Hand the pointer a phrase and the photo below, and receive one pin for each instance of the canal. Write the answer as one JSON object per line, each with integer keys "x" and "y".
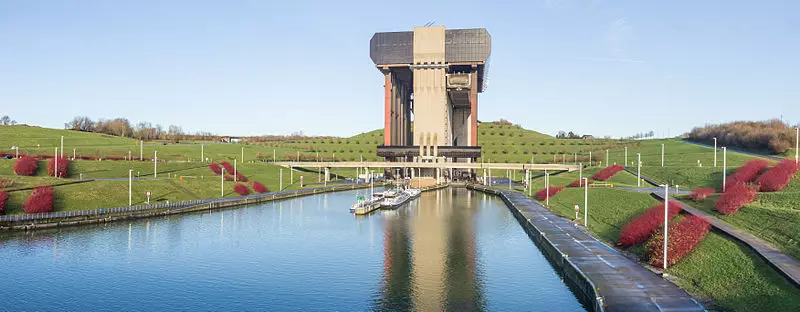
{"x": 451, "y": 249}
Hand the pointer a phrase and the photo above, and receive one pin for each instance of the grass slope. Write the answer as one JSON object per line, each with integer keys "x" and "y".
{"x": 719, "y": 269}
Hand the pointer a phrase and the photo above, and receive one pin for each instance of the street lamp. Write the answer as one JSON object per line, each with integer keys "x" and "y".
{"x": 638, "y": 169}
{"x": 724, "y": 166}
{"x": 797, "y": 147}
{"x": 130, "y": 187}
{"x": 715, "y": 152}
{"x": 586, "y": 202}
{"x": 666, "y": 222}
{"x": 662, "y": 155}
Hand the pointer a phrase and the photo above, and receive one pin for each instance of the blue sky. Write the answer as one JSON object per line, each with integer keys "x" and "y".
{"x": 263, "y": 67}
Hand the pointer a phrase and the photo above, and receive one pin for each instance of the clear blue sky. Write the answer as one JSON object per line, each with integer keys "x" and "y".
{"x": 274, "y": 67}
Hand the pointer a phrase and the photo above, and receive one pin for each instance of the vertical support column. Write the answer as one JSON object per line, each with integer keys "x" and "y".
{"x": 473, "y": 108}
{"x": 327, "y": 174}
{"x": 387, "y": 105}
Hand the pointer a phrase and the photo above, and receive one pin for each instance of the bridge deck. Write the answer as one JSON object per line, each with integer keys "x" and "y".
{"x": 442, "y": 165}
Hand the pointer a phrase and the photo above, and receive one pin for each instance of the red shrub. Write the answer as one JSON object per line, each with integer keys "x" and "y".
{"x": 63, "y": 164}
{"x": 40, "y": 200}
{"x": 241, "y": 189}
{"x": 240, "y": 177}
{"x": 3, "y": 200}
{"x": 683, "y": 236}
{"x": 748, "y": 172}
{"x": 607, "y": 172}
{"x": 701, "y": 193}
{"x": 228, "y": 167}
{"x": 26, "y": 166}
{"x": 734, "y": 198}
{"x": 778, "y": 177}
{"x": 542, "y": 194}
{"x": 638, "y": 230}
{"x": 215, "y": 168}
{"x": 576, "y": 183}
{"x": 258, "y": 187}
{"x": 228, "y": 178}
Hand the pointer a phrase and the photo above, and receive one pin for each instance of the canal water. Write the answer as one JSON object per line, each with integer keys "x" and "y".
{"x": 451, "y": 249}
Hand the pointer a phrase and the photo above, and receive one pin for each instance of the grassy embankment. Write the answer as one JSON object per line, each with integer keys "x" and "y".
{"x": 721, "y": 270}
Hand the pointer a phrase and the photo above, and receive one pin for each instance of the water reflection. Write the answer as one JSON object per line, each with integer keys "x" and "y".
{"x": 448, "y": 250}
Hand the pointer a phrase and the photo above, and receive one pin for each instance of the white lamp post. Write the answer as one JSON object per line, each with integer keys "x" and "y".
{"x": 797, "y": 147}
{"x": 62, "y": 146}
{"x": 638, "y": 169}
{"x": 547, "y": 188}
{"x": 662, "y": 155}
{"x": 607, "y": 163}
{"x": 222, "y": 183}
{"x": 715, "y": 152}
{"x": 586, "y": 202}
{"x": 155, "y": 165}
{"x": 234, "y": 171}
{"x": 666, "y": 222}
{"x": 202, "y": 152}
{"x": 280, "y": 187}
{"x": 141, "y": 150}
{"x": 580, "y": 172}
{"x": 130, "y": 187}
{"x": 55, "y": 161}
{"x": 724, "y": 166}
{"x": 626, "y": 156}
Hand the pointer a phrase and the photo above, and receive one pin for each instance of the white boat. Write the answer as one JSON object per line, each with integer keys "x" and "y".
{"x": 399, "y": 197}
{"x": 365, "y": 205}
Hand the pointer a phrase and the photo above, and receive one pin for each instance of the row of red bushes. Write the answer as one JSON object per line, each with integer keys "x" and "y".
{"x": 543, "y": 194}
{"x": 683, "y": 236}
{"x": 228, "y": 167}
{"x": 607, "y": 172}
{"x": 241, "y": 188}
{"x": 735, "y": 197}
{"x": 748, "y": 172}
{"x": 3, "y": 201}
{"x": 778, "y": 177}
{"x": 63, "y": 165}
{"x": 40, "y": 200}
{"x": 701, "y": 193}
{"x": 639, "y": 229}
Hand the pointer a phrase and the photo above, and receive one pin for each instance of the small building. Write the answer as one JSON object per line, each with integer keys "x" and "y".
{"x": 587, "y": 137}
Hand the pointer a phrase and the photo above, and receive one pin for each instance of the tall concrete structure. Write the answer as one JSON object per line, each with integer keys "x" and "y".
{"x": 432, "y": 77}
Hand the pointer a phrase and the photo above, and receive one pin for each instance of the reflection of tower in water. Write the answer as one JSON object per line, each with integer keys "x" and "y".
{"x": 429, "y": 255}
{"x": 395, "y": 291}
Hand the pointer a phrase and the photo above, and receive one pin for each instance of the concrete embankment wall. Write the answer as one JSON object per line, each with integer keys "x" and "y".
{"x": 575, "y": 279}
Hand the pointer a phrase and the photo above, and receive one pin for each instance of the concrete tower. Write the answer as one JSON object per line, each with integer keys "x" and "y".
{"x": 432, "y": 76}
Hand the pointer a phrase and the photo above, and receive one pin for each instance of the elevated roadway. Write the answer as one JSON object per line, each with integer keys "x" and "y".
{"x": 439, "y": 165}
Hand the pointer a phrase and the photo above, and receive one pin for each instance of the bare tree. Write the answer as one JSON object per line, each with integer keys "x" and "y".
{"x": 175, "y": 133}
{"x": 81, "y": 123}
{"x": 5, "y": 120}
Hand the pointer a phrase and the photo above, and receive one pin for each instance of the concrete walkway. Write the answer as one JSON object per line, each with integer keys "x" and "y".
{"x": 786, "y": 265}
{"x": 619, "y": 283}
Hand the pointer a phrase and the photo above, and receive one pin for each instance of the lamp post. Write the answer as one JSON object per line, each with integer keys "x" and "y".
{"x": 666, "y": 222}
{"x": 662, "y": 155}
{"x": 580, "y": 173}
{"x": 724, "y": 166}
{"x": 797, "y": 147}
{"x": 626, "y": 156}
{"x": 130, "y": 187}
{"x": 62, "y": 146}
{"x": 547, "y": 188}
{"x": 234, "y": 171}
{"x": 638, "y": 169}
{"x": 55, "y": 161}
{"x": 141, "y": 150}
{"x": 155, "y": 165}
{"x": 202, "y": 152}
{"x": 607, "y": 163}
{"x": 590, "y": 159}
{"x": 222, "y": 183}
{"x": 586, "y": 202}
{"x": 715, "y": 152}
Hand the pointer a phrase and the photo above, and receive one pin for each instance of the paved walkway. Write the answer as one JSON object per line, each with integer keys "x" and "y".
{"x": 786, "y": 265}
{"x": 770, "y": 157}
{"x": 621, "y": 284}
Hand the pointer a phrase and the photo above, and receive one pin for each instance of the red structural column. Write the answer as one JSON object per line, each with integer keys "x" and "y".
{"x": 387, "y": 106}
{"x": 473, "y": 107}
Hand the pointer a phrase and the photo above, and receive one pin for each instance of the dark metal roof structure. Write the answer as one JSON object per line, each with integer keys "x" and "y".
{"x": 462, "y": 46}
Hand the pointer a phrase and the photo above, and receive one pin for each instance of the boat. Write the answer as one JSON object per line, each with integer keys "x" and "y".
{"x": 365, "y": 205}
{"x": 398, "y": 197}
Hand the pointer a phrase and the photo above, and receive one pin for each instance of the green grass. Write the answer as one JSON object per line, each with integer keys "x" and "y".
{"x": 719, "y": 269}
{"x": 779, "y": 226}
{"x": 728, "y": 273}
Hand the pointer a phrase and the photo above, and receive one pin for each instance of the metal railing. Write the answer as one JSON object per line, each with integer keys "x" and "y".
{"x": 174, "y": 205}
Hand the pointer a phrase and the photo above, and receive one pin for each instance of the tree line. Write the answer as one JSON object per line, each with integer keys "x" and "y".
{"x": 143, "y": 130}
{"x": 771, "y": 135}
{"x": 7, "y": 121}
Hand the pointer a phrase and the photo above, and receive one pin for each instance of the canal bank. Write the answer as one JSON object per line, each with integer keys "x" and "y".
{"x": 603, "y": 278}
